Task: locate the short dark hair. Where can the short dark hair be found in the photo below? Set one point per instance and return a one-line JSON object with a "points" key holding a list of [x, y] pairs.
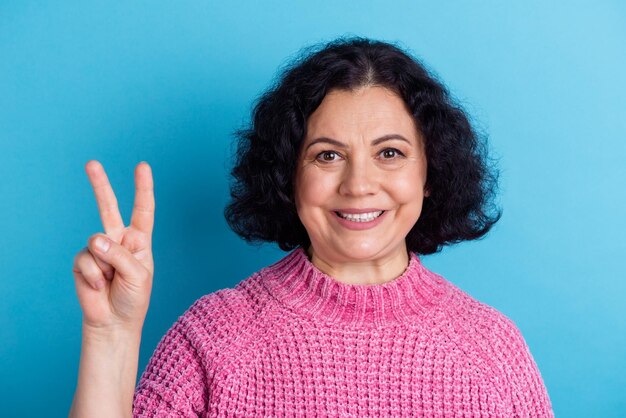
{"points": [[461, 179]]}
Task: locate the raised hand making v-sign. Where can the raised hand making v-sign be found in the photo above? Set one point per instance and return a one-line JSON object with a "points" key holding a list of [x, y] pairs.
{"points": [[113, 277]]}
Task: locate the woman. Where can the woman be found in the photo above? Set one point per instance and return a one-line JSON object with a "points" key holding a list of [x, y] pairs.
{"points": [[358, 161]]}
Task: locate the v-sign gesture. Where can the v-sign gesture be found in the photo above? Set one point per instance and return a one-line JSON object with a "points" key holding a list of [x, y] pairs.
{"points": [[113, 274]]}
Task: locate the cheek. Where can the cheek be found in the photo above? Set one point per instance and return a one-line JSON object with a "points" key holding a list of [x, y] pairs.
{"points": [[407, 187], [313, 189], [313, 197]]}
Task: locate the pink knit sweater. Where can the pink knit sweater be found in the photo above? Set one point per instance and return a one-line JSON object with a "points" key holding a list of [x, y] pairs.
{"points": [[292, 341]]}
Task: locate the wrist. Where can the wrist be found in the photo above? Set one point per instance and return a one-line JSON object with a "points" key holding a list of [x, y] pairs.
{"points": [[108, 370], [108, 334]]}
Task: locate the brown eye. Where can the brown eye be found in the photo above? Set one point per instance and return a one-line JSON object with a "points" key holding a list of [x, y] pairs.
{"points": [[327, 156], [390, 153]]}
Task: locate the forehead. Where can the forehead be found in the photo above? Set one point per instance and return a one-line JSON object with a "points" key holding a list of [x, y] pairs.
{"points": [[368, 112]]}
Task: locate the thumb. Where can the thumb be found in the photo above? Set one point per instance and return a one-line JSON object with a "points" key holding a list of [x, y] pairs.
{"points": [[122, 260]]}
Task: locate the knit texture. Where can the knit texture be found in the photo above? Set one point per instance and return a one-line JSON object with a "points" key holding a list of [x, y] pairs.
{"points": [[292, 341]]}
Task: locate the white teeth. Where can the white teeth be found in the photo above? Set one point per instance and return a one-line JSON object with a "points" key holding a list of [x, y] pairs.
{"points": [[361, 217]]}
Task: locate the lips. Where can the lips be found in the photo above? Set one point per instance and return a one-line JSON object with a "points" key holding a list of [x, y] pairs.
{"points": [[360, 219], [359, 215]]}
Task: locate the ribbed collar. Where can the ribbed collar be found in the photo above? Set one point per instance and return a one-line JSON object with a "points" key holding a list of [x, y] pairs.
{"points": [[305, 289]]}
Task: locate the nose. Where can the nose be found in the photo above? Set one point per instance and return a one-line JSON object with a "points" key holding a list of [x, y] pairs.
{"points": [[359, 178]]}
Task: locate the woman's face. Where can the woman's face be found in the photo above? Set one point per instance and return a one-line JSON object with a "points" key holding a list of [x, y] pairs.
{"points": [[360, 177]]}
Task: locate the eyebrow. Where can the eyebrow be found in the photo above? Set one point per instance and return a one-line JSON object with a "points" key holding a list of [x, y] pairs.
{"points": [[339, 144]]}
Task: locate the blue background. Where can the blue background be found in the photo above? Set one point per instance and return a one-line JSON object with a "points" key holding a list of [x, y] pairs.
{"points": [[168, 82]]}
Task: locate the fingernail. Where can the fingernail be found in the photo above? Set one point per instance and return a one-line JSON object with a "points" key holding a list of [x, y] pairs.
{"points": [[102, 244], [99, 284]]}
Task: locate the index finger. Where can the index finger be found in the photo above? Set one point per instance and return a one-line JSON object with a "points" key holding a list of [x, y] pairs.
{"points": [[142, 218], [107, 202]]}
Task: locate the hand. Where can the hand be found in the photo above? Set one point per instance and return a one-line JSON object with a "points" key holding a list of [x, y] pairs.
{"points": [[114, 286]]}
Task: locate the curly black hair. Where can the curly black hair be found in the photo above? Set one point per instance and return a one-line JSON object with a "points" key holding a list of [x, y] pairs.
{"points": [[461, 178]]}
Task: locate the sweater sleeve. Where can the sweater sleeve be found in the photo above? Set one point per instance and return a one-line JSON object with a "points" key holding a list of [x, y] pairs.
{"points": [[525, 393], [173, 383]]}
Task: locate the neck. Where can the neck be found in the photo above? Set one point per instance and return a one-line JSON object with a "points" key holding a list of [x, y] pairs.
{"points": [[307, 291], [366, 272]]}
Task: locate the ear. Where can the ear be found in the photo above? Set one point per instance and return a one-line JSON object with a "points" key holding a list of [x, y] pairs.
{"points": [[426, 192]]}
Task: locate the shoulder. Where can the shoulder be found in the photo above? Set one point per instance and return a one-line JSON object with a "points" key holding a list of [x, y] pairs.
{"points": [[222, 324], [227, 310], [493, 347], [202, 341], [480, 328], [464, 313]]}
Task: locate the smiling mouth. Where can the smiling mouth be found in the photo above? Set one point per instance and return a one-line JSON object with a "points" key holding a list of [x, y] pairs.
{"points": [[360, 217]]}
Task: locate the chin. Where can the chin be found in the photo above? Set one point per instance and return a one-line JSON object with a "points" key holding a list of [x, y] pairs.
{"points": [[362, 252]]}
